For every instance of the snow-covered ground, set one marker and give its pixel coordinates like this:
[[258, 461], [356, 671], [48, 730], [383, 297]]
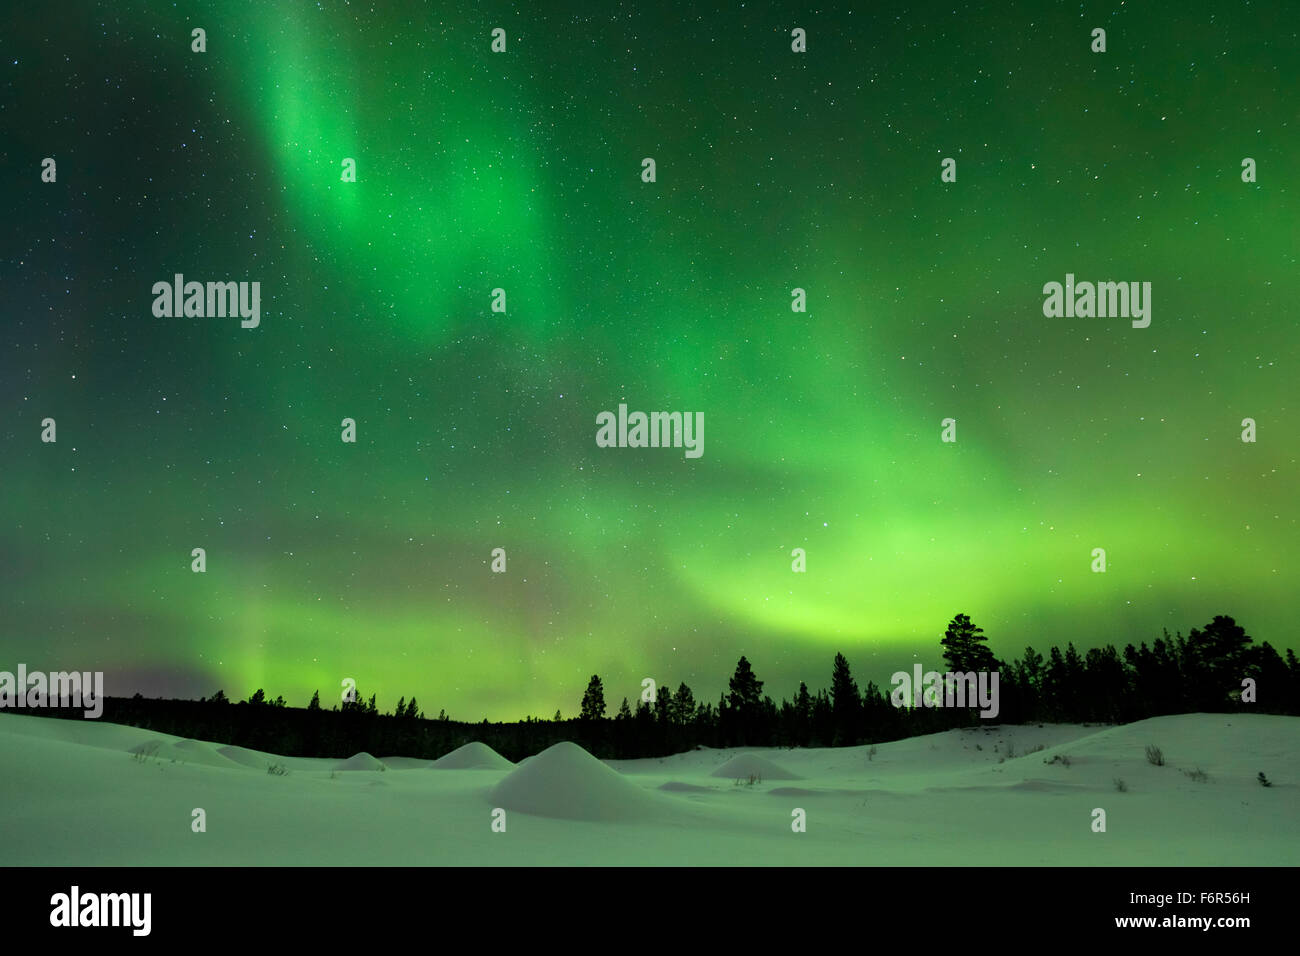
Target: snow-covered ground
[[91, 793]]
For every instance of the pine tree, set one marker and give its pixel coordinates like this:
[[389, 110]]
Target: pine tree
[[315, 701], [683, 705], [846, 702], [593, 701], [1218, 656], [876, 712], [664, 707], [746, 690], [965, 647], [803, 703], [624, 712], [746, 710]]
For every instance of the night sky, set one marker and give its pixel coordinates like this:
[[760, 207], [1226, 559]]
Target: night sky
[[476, 429]]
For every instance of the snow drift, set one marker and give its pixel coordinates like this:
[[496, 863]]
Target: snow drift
[[361, 761], [472, 756], [742, 766], [565, 781], [245, 757]]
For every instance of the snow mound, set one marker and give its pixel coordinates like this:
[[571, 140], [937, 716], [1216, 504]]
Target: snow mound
[[195, 751], [245, 757], [742, 766], [360, 761], [89, 733], [472, 756], [567, 782]]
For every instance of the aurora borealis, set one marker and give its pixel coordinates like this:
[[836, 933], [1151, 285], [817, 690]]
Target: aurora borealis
[[476, 430]]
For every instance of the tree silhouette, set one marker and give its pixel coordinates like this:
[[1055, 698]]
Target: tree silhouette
[[746, 689], [846, 702], [1203, 672], [683, 705], [965, 647], [745, 704], [801, 714], [1218, 656], [593, 701], [664, 707]]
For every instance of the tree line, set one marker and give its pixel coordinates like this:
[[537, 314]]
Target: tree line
[[1216, 668]]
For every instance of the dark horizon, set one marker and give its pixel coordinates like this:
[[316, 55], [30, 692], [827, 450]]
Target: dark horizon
[[1215, 669]]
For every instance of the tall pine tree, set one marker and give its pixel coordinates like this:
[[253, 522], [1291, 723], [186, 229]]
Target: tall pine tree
[[593, 701], [846, 702], [965, 647]]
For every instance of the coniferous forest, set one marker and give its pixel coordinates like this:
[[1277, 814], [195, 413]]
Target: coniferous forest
[[1205, 671]]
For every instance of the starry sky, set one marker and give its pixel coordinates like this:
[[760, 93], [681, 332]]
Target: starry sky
[[476, 429]]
